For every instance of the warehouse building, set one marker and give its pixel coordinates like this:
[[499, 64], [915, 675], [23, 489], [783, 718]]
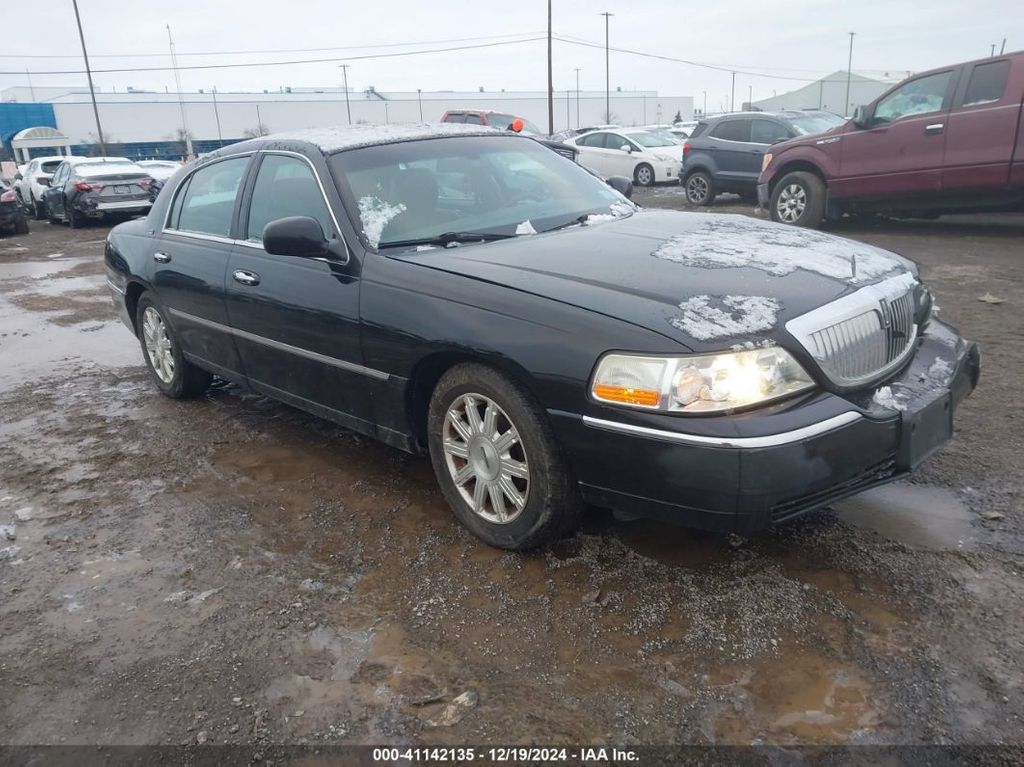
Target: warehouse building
[[145, 124], [829, 93]]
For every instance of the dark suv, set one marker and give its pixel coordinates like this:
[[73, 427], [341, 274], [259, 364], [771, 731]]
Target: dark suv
[[724, 154]]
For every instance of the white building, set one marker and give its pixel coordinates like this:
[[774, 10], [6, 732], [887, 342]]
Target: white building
[[829, 93]]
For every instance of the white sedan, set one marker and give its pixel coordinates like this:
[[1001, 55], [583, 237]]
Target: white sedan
[[645, 157], [35, 178]]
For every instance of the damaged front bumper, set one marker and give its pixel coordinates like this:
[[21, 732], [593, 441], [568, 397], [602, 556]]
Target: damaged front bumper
[[748, 471]]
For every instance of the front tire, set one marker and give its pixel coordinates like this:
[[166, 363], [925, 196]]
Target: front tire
[[644, 175], [497, 461], [38, 209], [799, 200], [700, 188], [175, 376]]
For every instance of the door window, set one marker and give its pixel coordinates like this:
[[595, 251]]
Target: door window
[[918, 97], [594, 140], [207, 204], [455, 117], [767, 131], [732, 130], [474, 119], [988, 83], [285, 186]]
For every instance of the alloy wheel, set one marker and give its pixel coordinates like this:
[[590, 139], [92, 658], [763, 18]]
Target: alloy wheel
[[791, 203], [158, 343], [645, 176], [696, 189], [486, 458]]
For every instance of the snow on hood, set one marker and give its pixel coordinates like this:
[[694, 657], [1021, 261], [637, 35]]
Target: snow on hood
[[708, 317], [350, 136], [737, 241]]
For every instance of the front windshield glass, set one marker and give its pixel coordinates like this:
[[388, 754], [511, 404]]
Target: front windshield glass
[[417, 191], [815, 123], [502, 121], [650, 140]]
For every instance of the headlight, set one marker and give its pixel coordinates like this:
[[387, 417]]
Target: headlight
[[699, 383], [766, 161]]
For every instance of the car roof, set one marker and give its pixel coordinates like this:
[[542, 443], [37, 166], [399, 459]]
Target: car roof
[[337, 139]]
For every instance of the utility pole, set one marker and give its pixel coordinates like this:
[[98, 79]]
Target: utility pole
[[31, 90], [216, 114], [849, 74], [259, 122], [577, 97], [732, 94], [705, 112], [607, 71], [750, 97], [181, 102], [92, 90], [348, 107], [993, 51], [551, 82], [419, 100], [1002, 48]]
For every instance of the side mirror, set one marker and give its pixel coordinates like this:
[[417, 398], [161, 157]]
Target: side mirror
[[626, 148], [299, 236], [622, 185], [861, 116]]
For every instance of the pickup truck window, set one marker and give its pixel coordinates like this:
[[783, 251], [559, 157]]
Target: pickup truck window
[[988, 83], [921, 96]]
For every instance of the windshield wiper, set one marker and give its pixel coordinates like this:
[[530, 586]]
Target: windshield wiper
[[578, 221], [448, 238]]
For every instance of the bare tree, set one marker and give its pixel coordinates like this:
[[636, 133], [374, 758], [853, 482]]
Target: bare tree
[[259, 130]]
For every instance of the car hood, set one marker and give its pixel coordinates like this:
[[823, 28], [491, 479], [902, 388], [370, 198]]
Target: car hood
[[707, 281], [808, 138]]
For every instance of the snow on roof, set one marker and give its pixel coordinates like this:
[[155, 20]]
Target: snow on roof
[[350, 136]]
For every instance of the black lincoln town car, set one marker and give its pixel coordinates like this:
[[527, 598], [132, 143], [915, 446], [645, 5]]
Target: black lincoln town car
[[471, 294]]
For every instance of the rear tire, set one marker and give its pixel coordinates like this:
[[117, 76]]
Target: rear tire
[[499, 468], [175, 376], [74, 218], [799, 200], [700, 188], [644, 175]]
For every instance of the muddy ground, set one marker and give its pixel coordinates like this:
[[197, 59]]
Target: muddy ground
[[232, 570]]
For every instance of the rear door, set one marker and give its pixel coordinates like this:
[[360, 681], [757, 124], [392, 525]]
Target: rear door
[[729, 141], [593, 153], [297, 319], [54, 196], [191, 259], [982, 127], [900, 153]]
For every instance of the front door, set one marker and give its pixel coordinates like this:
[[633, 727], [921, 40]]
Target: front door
[[191, 258], [593, 153], [730, 143], [900, 153], [54, 196], [296, 320]]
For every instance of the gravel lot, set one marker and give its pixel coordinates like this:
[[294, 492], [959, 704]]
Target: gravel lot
[[232, 570]]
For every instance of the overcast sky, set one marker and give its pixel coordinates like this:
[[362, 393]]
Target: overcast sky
[[798, 40]]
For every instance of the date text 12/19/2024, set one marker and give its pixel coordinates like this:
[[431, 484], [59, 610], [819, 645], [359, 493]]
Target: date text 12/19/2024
[[505, 754]]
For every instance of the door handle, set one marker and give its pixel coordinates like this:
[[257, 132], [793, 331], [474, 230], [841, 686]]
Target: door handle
[[161, 258], [934, 128], [246, 277]]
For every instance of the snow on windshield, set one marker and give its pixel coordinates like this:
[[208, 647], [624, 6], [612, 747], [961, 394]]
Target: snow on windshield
[[737, 241], [375, 214], [707, 317], [347, 137]]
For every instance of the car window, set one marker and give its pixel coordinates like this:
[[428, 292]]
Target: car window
[[286, 186], [455, 117], [988, 83], [698, 130], [918, 97], [49, 167], [474, 120], [767, 131], [208, 202], [732, 130], [61, 174], [650, 139], [617, 141], [593, 140]]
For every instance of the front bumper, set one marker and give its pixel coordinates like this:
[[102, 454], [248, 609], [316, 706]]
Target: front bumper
[[749, 471], [763, 196]]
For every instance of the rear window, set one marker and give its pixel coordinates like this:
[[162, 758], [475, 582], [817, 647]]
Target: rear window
[[92, 170], [732, 130], [988, 83], [473, 119], [699, 129], [455, 117], [50, 166]]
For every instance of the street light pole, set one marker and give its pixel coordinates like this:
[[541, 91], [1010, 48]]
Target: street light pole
[[348, 108], [92, 90], [607, 71], [419, 100], [181, 102], [705, 112], [551, 82], [849, 72], [216, 114], [732, 94], [577, 97]]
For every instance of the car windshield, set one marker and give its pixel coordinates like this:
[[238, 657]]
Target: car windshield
[[492, 186], [815, 123], [502, 121], [650, 140]]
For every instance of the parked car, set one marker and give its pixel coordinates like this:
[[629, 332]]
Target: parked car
[[724, 154], [96, 188], [645, 157], [684, 128], [160, 172], [499, 120], [34, 180], [665, 131], [572, 349], [12, 216], [948, 140]]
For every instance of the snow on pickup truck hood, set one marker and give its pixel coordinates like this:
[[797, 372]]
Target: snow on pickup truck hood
[[704, 280]]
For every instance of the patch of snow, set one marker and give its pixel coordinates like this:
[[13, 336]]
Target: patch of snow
[[525, 228], [623, 208], [707, 317], [885, 397], [343, 137], [940, 369], [425, 247], [737, 241], [375, 214], [24, 514], [9, 552], [7, 533], [191, 597]]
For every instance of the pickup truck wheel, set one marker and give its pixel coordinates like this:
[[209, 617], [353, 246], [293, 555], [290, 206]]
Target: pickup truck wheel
[[799, 199], [497, 461], [173, 374], [700, 188]]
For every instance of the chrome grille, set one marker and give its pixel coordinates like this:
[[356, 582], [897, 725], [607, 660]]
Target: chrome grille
[[861, 337]]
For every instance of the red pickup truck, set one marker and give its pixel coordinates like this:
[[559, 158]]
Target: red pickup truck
[[944, 141]]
